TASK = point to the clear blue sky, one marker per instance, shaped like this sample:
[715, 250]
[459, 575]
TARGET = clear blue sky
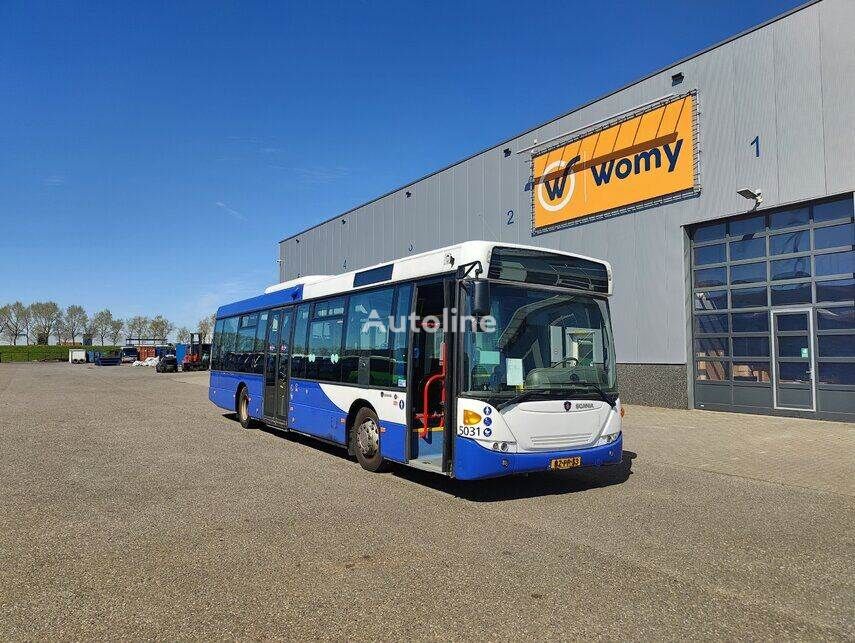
[153, 153]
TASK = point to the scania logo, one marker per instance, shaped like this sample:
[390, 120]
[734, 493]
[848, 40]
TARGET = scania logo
[560, 187]
[568, 406]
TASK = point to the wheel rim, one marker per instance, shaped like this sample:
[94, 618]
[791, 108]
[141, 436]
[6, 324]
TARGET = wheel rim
[244, 407]
[368, 438]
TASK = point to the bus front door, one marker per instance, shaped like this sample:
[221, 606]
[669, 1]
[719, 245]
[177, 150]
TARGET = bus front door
[429, 374]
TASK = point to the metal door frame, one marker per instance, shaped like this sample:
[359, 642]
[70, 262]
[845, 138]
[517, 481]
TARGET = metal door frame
[287, 311]
[412, 386]
[270, 313]
[773, 329]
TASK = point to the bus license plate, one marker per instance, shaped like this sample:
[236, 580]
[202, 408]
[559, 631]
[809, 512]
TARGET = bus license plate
[566, 463]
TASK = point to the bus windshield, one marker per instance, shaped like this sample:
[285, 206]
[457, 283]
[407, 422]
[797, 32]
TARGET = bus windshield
[544, 340]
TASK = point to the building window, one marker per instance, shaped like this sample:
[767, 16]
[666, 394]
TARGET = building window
[712, 347]
[835, 236]
[748, 273]
[833, 210]
[789, 218]
[748, 297]
[711, 324]
[710, 371]
[750, 322]
[751, 372]
[709, 254]
[710, 277]
[747, 249]
[751, 346]
[789, 242]
[835, 263]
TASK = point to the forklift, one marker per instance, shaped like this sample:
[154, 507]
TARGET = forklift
[198, 355]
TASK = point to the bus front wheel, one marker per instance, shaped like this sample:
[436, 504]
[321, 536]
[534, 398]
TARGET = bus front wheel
[365, 441]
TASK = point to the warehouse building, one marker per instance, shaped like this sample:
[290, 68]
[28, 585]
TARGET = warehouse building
[719, 188]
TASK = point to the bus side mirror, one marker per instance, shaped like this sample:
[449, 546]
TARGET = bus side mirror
[480, 298]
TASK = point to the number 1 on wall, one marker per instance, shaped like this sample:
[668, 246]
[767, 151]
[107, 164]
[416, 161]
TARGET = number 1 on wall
[756, 144]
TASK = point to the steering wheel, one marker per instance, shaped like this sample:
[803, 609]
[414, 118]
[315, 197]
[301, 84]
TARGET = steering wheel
[575, 361]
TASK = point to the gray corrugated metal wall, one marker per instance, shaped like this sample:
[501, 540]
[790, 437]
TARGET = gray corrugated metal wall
[792, 83]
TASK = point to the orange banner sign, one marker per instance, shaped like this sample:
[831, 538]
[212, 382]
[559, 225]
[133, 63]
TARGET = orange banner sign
[645, 157]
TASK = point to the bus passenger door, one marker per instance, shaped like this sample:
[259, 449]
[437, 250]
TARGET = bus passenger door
[276, 365]
[283, 367]
[429, 377]
[271, 358]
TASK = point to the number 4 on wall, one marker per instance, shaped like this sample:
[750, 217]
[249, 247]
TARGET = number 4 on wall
[756, 144]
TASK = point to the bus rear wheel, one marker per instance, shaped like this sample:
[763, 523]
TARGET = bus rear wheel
[243, 410]
[365, 441]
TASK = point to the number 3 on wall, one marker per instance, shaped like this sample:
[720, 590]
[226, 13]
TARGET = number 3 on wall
[756, 144]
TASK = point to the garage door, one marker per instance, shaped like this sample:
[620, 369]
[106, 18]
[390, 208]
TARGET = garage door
[773, 323]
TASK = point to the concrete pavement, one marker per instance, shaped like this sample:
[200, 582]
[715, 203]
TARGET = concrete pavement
[131, 507]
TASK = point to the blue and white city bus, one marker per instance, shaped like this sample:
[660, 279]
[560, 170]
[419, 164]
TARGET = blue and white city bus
[476, 360]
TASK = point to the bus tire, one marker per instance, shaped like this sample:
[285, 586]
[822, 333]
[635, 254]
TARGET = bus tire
[365, 441]
[243, 409]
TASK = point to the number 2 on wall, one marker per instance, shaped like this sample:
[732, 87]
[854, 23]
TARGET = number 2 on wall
[510, 216]
[756, 144]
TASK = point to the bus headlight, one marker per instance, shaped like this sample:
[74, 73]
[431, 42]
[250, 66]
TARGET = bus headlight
[470, 417]
[609, 438]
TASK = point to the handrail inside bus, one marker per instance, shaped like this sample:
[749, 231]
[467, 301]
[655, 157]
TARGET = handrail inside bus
[423, 431]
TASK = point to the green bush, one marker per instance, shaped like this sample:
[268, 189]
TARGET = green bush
[46, 353]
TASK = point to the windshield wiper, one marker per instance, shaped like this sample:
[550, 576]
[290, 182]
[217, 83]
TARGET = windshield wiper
[524, 396]
[561, 392]
[608, 399]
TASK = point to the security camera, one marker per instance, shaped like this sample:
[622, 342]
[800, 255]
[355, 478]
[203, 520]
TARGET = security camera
[752, 193]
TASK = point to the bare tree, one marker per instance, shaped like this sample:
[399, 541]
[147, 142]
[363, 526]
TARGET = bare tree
[102, 322]
[115, 330]
[44, 316]
[4, 324]
[28, 323]
[76, 320]
[89, 331]
[206, 325]
[183, 335]
[138, 326]
[161, 327]
[14, 320]
[60, 329]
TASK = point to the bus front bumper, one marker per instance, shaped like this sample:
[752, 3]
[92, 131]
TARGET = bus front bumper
[472, 461]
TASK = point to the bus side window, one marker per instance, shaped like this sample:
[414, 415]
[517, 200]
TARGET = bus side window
[246, 343]
[400, 336]
[258, 351]
[228, 357]
[217, 345]
[299, 350]
[365, 359]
